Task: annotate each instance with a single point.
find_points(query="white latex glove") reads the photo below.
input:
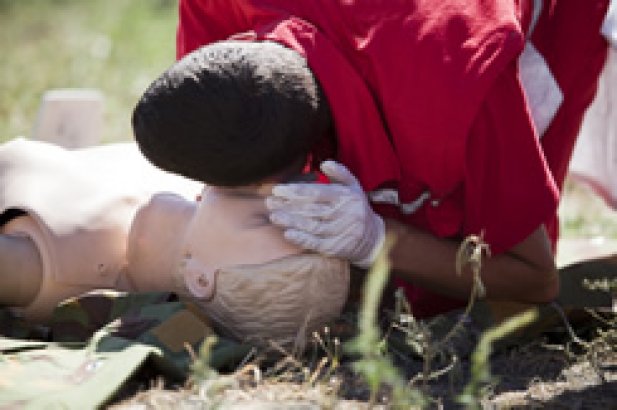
(334, 219)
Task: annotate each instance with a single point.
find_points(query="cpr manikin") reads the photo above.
(121, 230)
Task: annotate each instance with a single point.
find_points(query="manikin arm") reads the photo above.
(20, 270)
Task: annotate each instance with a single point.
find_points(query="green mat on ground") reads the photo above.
(96, 343)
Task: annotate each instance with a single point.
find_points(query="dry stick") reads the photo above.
(190, 351)
(477, 248)
(566, 323)
(322, 363)
(251, 354)
(250, 368)
(606, 285)
(331, 347)
(470, 253)
(436, 374)
(595, 315)
(589, 346)
(288, 359)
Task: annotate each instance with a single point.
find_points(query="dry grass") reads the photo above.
(550, 372)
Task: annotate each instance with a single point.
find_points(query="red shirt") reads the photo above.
(425, 97)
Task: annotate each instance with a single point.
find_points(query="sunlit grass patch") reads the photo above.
(116, 46)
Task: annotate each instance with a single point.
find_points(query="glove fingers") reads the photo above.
(340, 215)
(314, 226)
(312, 242)
(274, 202)
(339, 173)
(302, 208)
(310, 192)
(333, 219)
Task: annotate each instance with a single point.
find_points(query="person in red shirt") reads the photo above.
(124, 216)
(451, 118)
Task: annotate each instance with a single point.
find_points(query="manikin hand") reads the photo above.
(334, 219)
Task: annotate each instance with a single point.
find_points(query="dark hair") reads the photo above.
(232, 113)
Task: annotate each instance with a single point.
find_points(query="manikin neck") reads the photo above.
(230, 226)
(256, 191)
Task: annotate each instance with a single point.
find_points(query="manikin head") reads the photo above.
(237, 114)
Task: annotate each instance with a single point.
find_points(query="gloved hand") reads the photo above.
(334, 219)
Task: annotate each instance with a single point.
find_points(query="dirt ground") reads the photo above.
(549, 372)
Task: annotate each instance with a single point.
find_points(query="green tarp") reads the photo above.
(96, 343)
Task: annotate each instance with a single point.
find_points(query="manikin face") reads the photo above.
(248, 279)
(230, 227)
(226, 256)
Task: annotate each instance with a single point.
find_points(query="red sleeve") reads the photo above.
(509, 190)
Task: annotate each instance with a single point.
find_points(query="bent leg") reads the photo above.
(21, 270)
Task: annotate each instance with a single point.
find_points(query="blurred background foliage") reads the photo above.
(116, 46)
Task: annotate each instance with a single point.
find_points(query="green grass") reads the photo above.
(116, 46)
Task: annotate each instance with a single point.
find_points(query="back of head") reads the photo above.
(284, 300)
(232, 113)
